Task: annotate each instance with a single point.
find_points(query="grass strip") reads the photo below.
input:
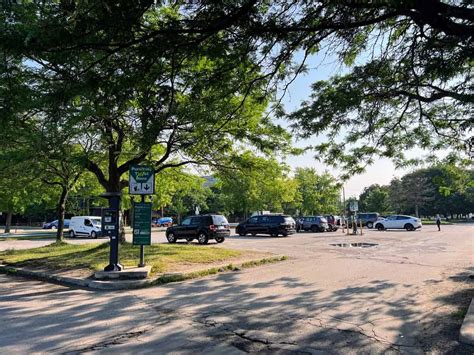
(215, 270)
(63, 256)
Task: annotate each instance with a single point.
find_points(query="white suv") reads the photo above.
(398, 222)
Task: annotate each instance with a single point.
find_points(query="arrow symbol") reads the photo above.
(147, 187)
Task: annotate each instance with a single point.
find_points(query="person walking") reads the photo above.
(438, 222)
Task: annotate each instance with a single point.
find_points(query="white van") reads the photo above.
(85, 226)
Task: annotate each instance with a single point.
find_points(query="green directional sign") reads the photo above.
(142, 223)
(353, 206)
(141, 180)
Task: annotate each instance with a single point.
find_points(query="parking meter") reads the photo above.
(109, 223)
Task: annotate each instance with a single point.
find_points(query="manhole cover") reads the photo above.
(354, 245)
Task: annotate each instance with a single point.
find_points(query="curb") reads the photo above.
(134, 284)
(466, 334)
(43, 276)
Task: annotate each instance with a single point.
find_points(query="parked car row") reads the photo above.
(215, 226)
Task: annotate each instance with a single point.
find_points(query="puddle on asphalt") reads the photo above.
(354, 245)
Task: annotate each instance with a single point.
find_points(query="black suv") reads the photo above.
(202, 228)
(367, 219)
(312, 223)
(273, 225)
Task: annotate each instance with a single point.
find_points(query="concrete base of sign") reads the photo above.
(467, 329)
(125, 274)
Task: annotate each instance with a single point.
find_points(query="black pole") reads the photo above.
(142, 247)
(114, 204)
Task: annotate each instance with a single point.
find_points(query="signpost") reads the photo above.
(141, 182)
(354, 207)
(142, 227)
(142, 223)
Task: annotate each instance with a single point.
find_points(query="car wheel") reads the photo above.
(220, 239)
(171, 238)
(189, 239)
(93, 235)
(380, 227)
(242, 233)
(202, 238)
(71, 234)
(370, 225)
(314, 229)
(253, 234)
(409, 227)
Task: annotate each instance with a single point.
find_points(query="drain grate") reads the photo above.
(354, 245)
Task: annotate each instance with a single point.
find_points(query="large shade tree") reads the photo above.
(125, 95)
(194, 77)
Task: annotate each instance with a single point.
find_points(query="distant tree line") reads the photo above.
(444, 189)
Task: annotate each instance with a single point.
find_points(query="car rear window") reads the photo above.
(219, 220)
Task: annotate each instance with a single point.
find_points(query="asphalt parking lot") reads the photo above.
(405, 294)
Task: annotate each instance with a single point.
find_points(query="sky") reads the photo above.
(321, 68)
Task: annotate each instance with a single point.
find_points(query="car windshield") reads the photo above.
(323, 220)
(289, 220)
(95, 221)
(219, 220)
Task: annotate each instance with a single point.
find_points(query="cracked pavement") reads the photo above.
(403, 296)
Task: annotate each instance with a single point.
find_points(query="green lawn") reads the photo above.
(162, 257)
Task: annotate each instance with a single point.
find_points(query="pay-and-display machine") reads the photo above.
(109, 223)
(110, 228)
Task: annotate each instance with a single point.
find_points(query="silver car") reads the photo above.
(312, 223)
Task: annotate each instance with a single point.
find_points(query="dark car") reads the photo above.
(313, 224)
(273, 225)
(333, 222)
(368, 219)
(202, 228)
(54, 224)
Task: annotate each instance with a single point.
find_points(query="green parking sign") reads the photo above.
(142, 223)
(141, 180)
(353, 206)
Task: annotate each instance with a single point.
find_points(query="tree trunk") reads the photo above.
(61, 214)
(8, 222)
(416, 211)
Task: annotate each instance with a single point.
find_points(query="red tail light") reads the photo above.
(212, 227)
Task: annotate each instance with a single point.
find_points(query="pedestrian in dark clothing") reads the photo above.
(438, 222)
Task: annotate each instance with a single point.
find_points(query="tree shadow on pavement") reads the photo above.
(234, 311)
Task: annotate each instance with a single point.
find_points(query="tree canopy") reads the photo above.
(192, 82)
